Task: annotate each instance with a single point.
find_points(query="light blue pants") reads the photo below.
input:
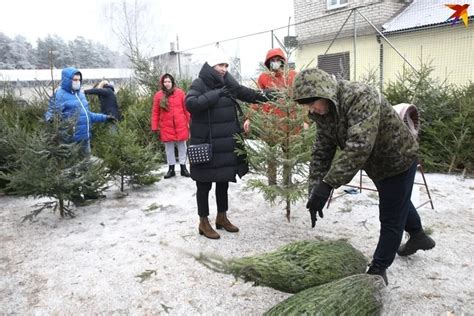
(170, 157)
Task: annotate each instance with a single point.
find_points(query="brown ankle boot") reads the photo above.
(223, 222)
(206, 229)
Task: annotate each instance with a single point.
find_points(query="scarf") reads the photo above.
(164, 99)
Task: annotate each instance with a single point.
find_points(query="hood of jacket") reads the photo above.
(111, 87)
(162, 86)
(162, 80)
(66, 78)
(211, 77)
(315, 83)
(274, 52)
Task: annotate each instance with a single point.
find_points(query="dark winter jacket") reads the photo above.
(107, 99)
(172, 122)
(203, 102)
(369, 133)
(70, 104)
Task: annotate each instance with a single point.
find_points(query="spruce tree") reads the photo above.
(43, 165)
(126, 158)
(281, 141)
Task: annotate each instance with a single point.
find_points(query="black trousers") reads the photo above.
(396, 213)
(202, 197)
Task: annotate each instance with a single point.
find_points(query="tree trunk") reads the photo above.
(61, 207)
(288, 209)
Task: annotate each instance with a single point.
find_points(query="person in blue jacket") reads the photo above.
(69, 103)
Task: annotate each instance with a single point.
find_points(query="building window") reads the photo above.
(335, 4)
(335, 64)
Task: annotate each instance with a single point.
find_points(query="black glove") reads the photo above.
(111, 119)
(270, 94)
(317, 199)
(224, 92)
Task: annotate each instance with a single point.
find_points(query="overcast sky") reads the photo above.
(195, 22)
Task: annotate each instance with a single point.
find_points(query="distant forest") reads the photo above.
(17, 53)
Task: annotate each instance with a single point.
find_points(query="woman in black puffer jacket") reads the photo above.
(211, 102)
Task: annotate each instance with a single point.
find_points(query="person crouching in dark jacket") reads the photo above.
(370, 135)
(211, 102)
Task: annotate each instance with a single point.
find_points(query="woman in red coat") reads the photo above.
(170, 118)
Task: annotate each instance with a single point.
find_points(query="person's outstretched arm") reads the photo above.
(102, 92)
(243, 93)
(197, 100)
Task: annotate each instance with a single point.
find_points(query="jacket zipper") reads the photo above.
(87, 115)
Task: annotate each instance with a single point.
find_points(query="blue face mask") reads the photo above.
(76, 85)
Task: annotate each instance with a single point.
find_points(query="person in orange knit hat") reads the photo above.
(276, 77)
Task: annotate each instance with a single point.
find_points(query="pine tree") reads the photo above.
(280, 141)
(43, 165)
(126, 159)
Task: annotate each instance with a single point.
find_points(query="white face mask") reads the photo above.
(275, 65)
(76, 85)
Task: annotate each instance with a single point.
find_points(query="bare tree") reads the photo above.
(132, 22)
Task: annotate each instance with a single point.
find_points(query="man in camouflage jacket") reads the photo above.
(356, 119)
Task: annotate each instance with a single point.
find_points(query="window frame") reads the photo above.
(330, 63)
(338, 5)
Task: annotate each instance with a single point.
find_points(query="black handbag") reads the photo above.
(198, 154)
(201, 153)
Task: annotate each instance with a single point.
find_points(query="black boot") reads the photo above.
(170, 172)
(376, 269)
(184, 171)
(417, 241)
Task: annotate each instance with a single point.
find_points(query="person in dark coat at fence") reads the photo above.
(370, 135)
(211, 102)
(108, 101)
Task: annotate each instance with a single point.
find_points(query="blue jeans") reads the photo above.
(396, 214)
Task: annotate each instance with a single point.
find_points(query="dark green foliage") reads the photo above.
(282, 142)
(355, 295)
(17, 112)
(126, 96)
(42, 165)
(16, 116)
(136, 110)
(184, 83)
(124, 155)
(447, 122)
(295, 266)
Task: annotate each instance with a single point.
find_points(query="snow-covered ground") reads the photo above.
(90, 264)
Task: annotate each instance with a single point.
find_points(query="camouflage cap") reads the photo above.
(314, 83)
